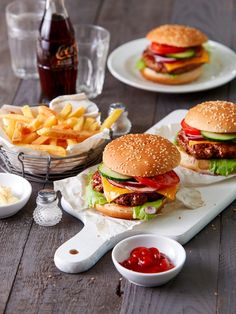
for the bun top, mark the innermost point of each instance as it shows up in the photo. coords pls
(177, 35)
(213, 116)
(142, 155)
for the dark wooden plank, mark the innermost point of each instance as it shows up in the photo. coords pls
(226, 302)
(13, 231)
(226, 294)
(39, 286)
(191, 292)
(13, 234)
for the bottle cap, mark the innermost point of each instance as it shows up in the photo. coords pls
(117, 105)
(46, 196)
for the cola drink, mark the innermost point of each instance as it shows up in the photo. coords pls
(57, 52)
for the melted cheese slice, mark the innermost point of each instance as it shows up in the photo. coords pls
(203, 58)
(169, 192)
(111, 192)
(191, 143)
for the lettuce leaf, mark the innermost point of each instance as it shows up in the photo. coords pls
(140, 213)
(223, 167)
(140, 65)
(93, 197)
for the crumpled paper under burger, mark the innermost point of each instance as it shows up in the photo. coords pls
(36, 165)
(73, 191)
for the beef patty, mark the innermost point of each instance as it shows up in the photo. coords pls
(207, 150)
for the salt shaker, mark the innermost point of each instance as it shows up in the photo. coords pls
(47, 212)
(122, 125)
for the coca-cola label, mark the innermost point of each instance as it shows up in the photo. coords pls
(65, 55)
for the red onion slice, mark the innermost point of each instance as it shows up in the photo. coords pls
(132, 186)
(195, 137)
(150, 210)
(124, 184)
(146, 189)
(159, 58)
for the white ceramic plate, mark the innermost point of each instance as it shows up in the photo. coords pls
(222, 69)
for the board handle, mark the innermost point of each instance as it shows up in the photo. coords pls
(82, 251)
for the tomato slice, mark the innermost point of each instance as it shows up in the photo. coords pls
(161, 181)
(188, 129)
(165, 49)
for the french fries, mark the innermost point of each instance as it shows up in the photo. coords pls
(27, 112)
(111, 118)
(50, 131)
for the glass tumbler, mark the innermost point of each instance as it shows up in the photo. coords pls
(93, 44)
(23, 20)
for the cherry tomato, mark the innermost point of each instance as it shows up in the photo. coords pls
(147, 260)
(164, 264)
(144, 251)
(133, 260)
(188, 129)
(136, 252)
(165, 49)
(155, 252)
(161, 181)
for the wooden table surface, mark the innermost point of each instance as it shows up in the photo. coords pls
(30, 282)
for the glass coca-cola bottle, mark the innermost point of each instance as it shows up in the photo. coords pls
(57, 52)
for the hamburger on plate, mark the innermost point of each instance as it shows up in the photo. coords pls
(207, 140)
(175, 55)
(135, 178)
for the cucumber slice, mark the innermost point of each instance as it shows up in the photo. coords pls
(181, 55)
(219, 136)
(110, 174)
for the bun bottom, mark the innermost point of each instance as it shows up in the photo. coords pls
(198, 165)
(115, 211)
(118, 211)
(161, 78)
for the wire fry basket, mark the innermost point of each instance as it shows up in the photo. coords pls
(44, 169)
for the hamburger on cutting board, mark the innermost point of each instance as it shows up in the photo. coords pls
(135, 178)
(207, 140)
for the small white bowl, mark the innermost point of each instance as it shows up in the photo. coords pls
(20, 188)
(169, 247)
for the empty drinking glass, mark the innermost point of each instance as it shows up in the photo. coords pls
(23, 19)
(93, 44)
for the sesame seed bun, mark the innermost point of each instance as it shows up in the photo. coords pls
(178, 79)
(198, 165)
(177, 35)
(213, 116)
(142, 155)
